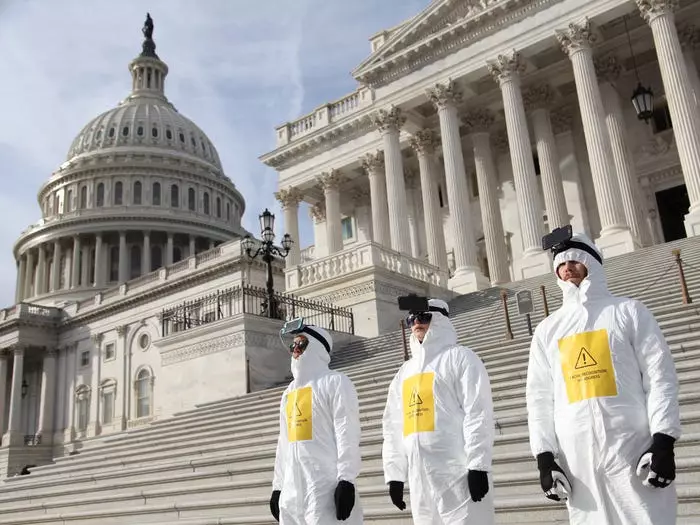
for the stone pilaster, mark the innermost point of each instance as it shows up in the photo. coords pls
(373, 164)
(538, 100)
(424, 143)
(56, 266)
(412, 196)
(290, 198)
(75, 275)
(467, 276)
(21, 280)
(48, 395)
(13, 436)
(330, 182)
(3, 389)
(389, 123)
(659, 14)
(478, 123)
(615, 235)
(40, 284)
(123, 257)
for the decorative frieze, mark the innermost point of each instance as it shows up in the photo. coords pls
(539, 97)
(506, 67)
(289, 197)
(372, 162)
(478, 120)
(650, 9)
(389, 120)
(607, 68)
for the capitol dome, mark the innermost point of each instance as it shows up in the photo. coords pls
(142, 187)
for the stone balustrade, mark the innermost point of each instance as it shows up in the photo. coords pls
(358, 257)
(30, 311)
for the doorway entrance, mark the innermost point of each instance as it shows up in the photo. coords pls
(673, 205)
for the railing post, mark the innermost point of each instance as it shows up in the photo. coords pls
(403, 338)
(684, 286)
(504, 299)
(544, 300)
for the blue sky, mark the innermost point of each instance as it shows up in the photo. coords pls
(237, 68)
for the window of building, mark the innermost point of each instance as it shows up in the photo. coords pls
(84, 358)
(57, 205)
(182, 137)
(82, 406)
(347, 228)
(206, 203)
(175, 196)
(110, 351)
(139, 131)
(168, 134)
(125, 131)
(144, 390)
(135, 261)
(228, 211)
(114, 264)
(156, 257)
(191, 199)
(83, 197)
(218, 207)
(144, 341)
(111, 132)
(69, 201)
(154, 132)
(118, 193)
(156, 193)
(137, 192)
(107, 407)
(100, 201)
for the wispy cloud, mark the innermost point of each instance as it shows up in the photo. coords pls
(237, 69)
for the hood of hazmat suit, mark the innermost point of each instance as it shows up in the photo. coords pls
(601, 381)
(319, 441)
(438, 424)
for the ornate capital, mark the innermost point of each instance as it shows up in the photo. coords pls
(411, 178)
(289, 197)
(372, 162)
(506, 67)
(607, 68)
(562, 120)
(576, 38)
(331, 180)
(478, 120)
(18, 349)
(318, 211)
(689, 36)
(651, 9)
(538, 97)
(445, 94)
(424, 142)
(96, 338)
(121, 330)
(390, 120)
(361, 196)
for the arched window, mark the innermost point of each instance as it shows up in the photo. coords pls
(108, 395)
(69, 201)
(83, 197)
(143, 387)
(114, 263)
(206, 203)
(118, 193)
(56, 205)
(156, 193)
(135, 262)
(228, 211)
(175, 196)
(191, 199)
(82, 407)
(137, 192)
(218, 207)
(100, 201)
(156, 257)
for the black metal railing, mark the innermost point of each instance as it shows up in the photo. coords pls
(254, 300)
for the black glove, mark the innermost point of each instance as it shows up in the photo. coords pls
(344, 500)
(396, 494)
(659, 462)
(478, 482)
(554, 483)
(275, 504)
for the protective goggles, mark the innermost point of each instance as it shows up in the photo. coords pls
(418, 317)
(301, 345)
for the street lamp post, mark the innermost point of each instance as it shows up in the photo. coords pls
(268, 250)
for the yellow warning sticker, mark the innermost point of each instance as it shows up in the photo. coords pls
(418, 404)
(586, 364)
(299, 415)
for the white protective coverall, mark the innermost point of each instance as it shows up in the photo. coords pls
(438, 424)
(601, 381)
(319, 441)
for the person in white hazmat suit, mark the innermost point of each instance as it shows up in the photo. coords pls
(438, 427)
(602, 400)
(318, 450)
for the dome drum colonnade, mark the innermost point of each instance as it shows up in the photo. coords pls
(142, 187)
(615, 182)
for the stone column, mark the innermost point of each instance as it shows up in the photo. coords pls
(615, 236)
(85, 269)
(538, 100)
(411, 183)
(170, 248)
(330, 183)
(29, 275)
(122, 258)
(61, 387)
(679, 94)
(424, 143)
(40, 284)
(146, 259)
(75, 276)
(48, 395)
(99, 264)
(3, 390)
(71, 366)
(192, 247)
(14, 433)
(389, 123)
(608, 71)
(478, 122)
(290, 199)
(56, 267)
(317, 212)
(506, 71)
(122, 331)
(689, 36)
(94, 421)
(467, 276)
(374, 167)
(21, 280)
